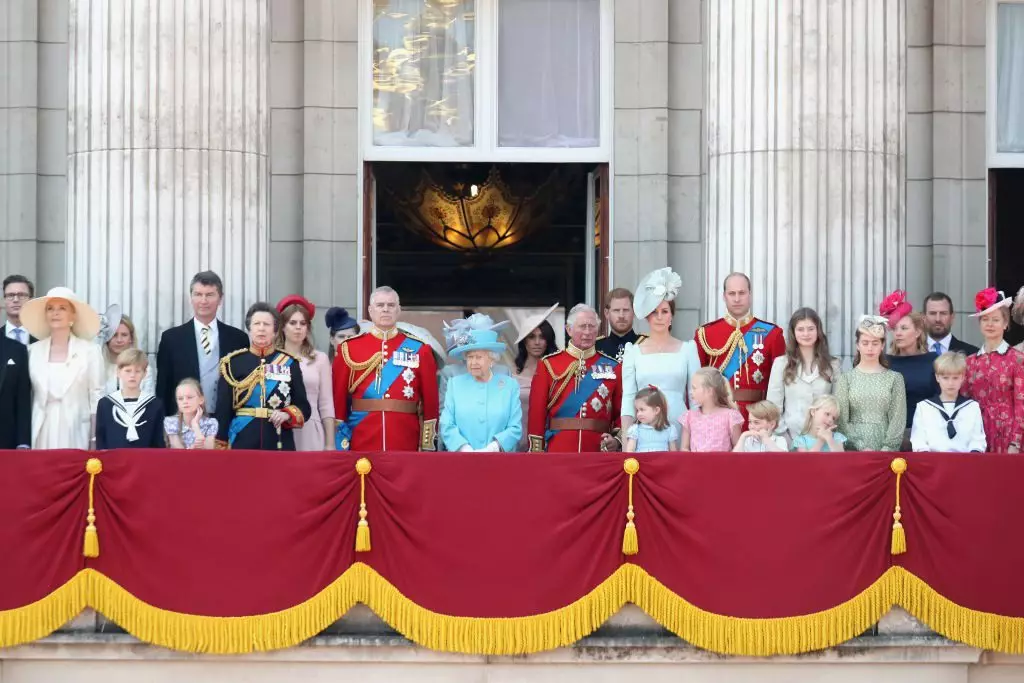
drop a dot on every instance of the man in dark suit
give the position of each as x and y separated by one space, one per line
938 313
15 396
195 348
18 289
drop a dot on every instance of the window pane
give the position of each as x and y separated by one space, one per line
1010 78
424 58
549 73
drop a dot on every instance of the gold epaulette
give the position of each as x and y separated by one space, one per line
241 390
551 355
641 339
603 336
226 359
611 358
359 371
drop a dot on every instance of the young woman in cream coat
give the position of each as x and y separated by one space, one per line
66 369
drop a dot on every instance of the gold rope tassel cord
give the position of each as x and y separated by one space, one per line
363 468
899 536
630 543
91 544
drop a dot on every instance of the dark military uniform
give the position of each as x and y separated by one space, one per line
613 345
253 384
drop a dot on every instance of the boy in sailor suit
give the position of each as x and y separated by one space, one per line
949 422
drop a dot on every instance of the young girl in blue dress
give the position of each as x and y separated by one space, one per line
652 432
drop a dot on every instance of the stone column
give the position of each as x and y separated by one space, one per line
167 162
806 155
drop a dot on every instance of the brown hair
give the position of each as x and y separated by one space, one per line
653 398
713 380
617 293
132 357
883 360
307 349
917 320
765 410
127 322
822 357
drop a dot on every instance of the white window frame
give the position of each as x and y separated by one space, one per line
995 158
485 125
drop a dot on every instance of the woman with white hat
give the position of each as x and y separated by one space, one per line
661 360
995 375
536 339
66 368
481 408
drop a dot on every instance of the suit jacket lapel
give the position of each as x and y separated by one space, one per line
4 359
191 352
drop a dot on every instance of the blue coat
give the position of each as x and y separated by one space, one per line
477 413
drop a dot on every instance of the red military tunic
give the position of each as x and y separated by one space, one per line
385 392
743 350
575 398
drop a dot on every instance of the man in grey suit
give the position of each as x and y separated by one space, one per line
195 348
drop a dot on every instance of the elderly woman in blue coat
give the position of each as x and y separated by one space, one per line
481 410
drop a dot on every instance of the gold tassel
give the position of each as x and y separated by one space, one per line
630 543
91 545
363 468
899 536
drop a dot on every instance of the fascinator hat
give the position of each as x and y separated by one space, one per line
657 286
873 326
533 322
109 322
988 300
338 319
87 320
894 307
478 332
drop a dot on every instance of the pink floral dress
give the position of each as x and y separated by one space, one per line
996 381
711 432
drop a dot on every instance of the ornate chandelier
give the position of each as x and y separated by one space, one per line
474 218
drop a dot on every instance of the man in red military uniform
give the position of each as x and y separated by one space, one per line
385 385
740 346
576 394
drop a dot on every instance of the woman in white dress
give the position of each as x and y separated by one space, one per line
536 339
66 369
807 371
660 360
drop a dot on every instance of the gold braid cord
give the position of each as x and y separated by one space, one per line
241 390
555 379
735 340
360 371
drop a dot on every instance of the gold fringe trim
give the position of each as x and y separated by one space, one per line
516 635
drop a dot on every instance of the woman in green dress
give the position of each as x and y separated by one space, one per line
872 398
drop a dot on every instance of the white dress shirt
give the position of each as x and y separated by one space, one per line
943 343
9 331
929 432
209 365
214 337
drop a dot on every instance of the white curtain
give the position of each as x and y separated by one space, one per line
1010 79
424 54
549 73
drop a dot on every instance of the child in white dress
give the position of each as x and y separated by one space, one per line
652 432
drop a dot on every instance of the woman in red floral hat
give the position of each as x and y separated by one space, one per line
296 338
995 375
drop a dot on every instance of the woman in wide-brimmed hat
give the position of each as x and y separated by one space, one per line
481 408
995 375
66 368
535 339
872 398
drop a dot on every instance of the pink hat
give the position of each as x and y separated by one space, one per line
988 300
894 307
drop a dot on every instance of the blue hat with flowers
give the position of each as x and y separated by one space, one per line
478 332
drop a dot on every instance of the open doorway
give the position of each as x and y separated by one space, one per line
1006 235
504 239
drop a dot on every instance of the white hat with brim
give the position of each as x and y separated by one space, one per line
33 315
659 285
479 340
1002 302
533 322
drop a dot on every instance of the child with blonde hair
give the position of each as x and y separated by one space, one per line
760 436
949 422
652 432
191 427
129 417
715 424
819 434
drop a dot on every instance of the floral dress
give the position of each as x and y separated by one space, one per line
872 409
996 381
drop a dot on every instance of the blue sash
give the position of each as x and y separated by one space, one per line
572 404
763 329
388 374
256 399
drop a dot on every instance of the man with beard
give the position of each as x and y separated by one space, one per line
939 316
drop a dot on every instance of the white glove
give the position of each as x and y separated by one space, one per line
492 447
466 449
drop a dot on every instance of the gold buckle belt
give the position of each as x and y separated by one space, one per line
261 413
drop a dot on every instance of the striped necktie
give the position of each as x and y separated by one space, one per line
204 339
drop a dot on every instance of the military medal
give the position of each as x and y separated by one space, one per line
757 357
758 376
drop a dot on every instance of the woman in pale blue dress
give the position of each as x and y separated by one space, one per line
481 410
660 360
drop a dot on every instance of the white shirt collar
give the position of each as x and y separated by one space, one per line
199 324
945 341
1001 349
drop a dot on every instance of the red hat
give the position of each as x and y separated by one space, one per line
296 300
895 306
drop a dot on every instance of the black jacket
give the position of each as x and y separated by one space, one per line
177 357
15 395
961 346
